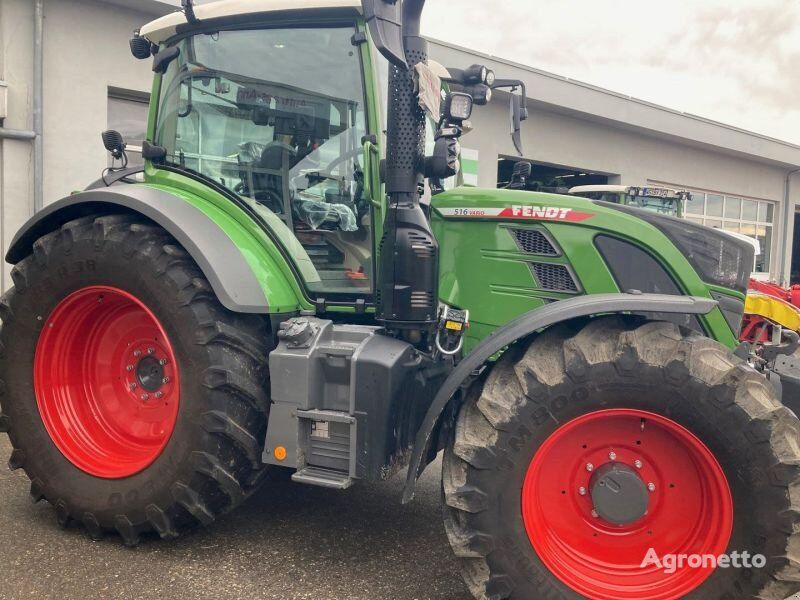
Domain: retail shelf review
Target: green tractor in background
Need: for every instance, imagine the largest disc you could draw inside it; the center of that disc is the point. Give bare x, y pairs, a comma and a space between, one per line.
666, 201
268, 295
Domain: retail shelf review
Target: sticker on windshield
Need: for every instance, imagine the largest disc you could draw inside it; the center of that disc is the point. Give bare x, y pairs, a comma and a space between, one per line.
655, 192
534, 213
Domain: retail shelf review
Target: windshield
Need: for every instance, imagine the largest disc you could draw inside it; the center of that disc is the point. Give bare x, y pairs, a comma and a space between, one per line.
663, 206
277, 116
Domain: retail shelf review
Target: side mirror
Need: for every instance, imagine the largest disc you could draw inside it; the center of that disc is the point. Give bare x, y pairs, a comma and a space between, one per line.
520, 175
385, 21
516, 122
113, 142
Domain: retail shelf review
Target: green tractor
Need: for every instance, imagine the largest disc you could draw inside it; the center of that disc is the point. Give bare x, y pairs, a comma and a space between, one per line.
267, 295
666, 201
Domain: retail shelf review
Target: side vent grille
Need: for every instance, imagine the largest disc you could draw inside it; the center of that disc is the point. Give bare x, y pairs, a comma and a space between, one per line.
421, 299
532, 241
422, 245
556, 278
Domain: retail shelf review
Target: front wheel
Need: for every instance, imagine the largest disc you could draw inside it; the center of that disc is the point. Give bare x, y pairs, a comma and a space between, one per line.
621, 460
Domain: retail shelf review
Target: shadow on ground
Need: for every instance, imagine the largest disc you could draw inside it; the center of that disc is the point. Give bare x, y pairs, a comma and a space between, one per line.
288, 541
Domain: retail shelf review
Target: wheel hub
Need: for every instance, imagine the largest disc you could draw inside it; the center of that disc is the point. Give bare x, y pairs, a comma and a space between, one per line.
618, 494
150, 374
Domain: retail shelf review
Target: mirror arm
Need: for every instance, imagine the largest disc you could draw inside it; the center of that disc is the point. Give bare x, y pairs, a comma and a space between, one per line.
513, 84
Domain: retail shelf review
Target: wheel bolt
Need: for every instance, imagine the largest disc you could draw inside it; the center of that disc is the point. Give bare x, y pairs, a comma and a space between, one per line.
165, 380
651, 487
589, 467
159, 395
594, 513
137, 353
162, 362
145, 397
582, 491
132, 386
151, 350
612, 456
637, 463
129, 367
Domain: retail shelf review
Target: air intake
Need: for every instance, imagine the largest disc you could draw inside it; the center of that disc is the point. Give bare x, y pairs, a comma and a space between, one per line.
555, 278
532, 241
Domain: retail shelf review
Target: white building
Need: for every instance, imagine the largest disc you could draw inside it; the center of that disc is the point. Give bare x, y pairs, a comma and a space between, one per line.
576, 133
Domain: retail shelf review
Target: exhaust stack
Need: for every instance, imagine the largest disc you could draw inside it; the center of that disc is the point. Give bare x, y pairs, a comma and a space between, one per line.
408, 270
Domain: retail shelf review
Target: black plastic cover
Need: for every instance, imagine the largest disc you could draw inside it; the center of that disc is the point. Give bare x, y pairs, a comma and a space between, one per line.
409, 269
395, 386
718, 258
732, 309
634, 269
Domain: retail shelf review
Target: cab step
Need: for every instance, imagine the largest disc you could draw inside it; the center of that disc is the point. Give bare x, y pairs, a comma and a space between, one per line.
323, 477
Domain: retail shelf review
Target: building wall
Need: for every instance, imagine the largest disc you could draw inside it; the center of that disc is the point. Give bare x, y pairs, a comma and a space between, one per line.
85, 52
16, 157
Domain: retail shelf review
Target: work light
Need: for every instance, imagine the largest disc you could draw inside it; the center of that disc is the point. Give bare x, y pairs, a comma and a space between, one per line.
459, 106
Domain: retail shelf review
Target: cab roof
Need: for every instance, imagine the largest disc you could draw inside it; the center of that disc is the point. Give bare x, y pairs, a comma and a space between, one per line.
580, 189
164, 28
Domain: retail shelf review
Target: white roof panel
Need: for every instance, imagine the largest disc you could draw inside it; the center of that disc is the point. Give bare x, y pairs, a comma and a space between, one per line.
579, 189
161, 29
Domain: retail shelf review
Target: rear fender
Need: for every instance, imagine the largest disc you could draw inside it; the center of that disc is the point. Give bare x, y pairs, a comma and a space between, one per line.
240, 281
523, 326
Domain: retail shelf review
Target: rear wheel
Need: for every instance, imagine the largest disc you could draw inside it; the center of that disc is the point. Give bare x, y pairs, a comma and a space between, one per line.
134, 401
599, 453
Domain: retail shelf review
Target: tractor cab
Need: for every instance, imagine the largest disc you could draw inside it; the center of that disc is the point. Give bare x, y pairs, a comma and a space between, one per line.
665, 201
283, 133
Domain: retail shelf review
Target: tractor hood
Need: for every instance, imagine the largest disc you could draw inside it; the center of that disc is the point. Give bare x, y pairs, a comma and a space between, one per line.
507, 252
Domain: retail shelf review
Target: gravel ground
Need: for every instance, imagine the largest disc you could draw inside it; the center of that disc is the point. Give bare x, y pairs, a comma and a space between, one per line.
289, 541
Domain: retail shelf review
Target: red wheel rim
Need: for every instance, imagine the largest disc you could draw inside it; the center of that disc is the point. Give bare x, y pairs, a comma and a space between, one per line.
689, 506
106, 382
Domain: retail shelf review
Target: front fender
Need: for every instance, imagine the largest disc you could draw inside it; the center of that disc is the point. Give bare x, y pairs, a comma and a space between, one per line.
521, 327
222, 261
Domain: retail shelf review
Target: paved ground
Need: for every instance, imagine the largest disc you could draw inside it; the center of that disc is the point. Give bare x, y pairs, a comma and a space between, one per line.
287, 542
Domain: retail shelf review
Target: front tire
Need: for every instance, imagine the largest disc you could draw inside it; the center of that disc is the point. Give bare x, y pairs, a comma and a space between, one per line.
133, 400
655, 404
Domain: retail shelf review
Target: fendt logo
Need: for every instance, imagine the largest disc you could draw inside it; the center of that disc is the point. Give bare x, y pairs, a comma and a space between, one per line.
534, 213
545, 213
541, 212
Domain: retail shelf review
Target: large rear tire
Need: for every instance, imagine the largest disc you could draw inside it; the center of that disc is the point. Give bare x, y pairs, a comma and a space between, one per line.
625, 403
133, 400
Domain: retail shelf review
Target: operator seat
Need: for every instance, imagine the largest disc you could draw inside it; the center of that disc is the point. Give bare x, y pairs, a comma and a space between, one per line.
273, 178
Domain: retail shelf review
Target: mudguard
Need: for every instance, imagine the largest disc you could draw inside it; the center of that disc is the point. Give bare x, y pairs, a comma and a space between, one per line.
523, 326
220, 260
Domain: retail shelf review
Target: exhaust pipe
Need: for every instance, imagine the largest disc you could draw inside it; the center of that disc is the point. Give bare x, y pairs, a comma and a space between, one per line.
408, 268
